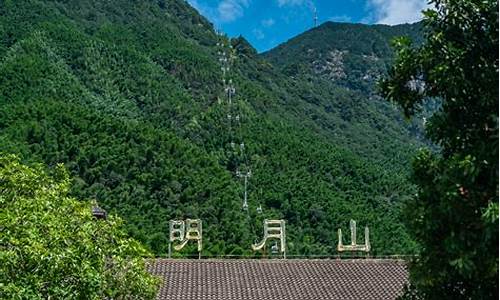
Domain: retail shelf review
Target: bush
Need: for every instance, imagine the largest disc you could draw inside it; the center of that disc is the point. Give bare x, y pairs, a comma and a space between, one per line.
51, 247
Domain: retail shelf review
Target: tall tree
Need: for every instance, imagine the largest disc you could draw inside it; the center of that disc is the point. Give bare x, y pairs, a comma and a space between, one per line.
454, 216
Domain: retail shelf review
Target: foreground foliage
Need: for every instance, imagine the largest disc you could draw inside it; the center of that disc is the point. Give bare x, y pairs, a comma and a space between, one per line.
52, 248
455, 214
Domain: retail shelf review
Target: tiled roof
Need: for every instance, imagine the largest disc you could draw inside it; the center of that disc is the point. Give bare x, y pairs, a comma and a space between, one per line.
280, 279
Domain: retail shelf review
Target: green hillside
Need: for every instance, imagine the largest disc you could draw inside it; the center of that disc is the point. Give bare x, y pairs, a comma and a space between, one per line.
335, 68
125, 94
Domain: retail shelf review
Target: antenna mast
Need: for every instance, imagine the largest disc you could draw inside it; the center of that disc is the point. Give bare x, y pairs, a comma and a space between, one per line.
315, 17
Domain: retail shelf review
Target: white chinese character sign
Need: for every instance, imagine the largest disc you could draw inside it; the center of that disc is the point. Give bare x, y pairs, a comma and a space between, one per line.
273, 229
185, 231
177, 230
353, 246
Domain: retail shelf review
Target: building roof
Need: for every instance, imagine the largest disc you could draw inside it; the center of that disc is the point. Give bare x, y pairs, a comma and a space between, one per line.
356, 279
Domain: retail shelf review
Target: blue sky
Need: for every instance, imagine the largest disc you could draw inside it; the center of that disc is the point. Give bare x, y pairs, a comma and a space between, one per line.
267, 23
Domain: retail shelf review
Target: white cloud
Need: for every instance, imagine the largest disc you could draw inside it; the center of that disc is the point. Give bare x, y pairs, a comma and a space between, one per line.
230, 10
290, 2
268, 22
258, 34
393, 12
309, 3
223, 11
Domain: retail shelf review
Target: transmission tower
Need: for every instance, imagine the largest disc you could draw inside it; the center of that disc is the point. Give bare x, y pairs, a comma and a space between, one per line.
245, 176
233, 117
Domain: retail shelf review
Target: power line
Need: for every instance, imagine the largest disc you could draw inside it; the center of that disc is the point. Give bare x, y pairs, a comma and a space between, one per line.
233, 115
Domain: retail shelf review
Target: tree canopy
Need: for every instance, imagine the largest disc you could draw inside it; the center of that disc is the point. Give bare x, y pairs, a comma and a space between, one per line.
454, 216
51, 247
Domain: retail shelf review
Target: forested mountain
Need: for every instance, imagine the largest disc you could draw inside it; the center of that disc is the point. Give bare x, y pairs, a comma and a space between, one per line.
126, 95
350, 55
337, 66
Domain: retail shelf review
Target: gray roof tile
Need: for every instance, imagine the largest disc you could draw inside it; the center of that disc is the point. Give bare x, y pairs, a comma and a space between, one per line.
357, 279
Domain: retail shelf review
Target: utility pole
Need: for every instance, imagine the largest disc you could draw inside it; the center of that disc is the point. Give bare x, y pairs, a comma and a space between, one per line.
245, 176
230, 91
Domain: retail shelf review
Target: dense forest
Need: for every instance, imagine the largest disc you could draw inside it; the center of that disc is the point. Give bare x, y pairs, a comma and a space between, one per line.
125, 95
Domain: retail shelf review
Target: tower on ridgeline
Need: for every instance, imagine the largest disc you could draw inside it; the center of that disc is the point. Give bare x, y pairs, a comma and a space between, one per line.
315, 17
